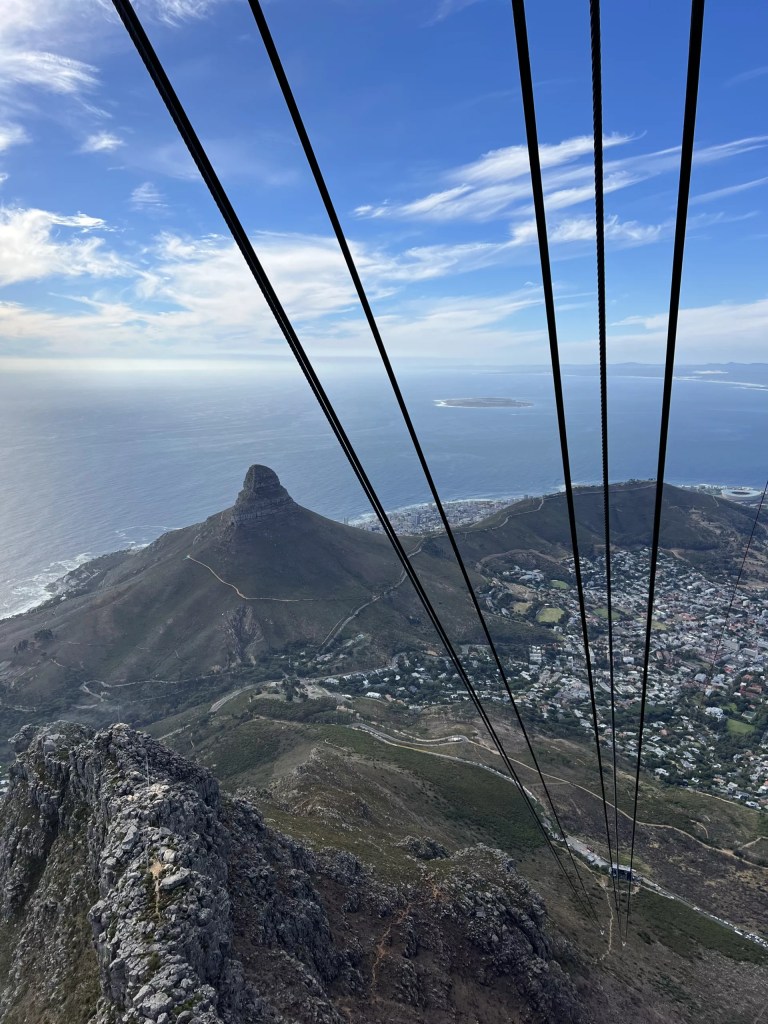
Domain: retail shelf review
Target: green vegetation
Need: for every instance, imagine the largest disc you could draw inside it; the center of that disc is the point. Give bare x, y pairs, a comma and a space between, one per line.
738, 728
559, 585
720, 823
550, 615
685, 932
471, 797
656, 624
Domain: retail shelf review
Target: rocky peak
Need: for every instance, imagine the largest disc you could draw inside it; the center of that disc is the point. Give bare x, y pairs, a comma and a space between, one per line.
262, 496
133, 891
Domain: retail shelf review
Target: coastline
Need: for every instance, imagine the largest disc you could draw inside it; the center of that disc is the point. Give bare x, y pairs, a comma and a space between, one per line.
418, 519
422, 518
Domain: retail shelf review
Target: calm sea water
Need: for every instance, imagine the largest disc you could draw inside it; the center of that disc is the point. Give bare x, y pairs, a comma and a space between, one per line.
90, 463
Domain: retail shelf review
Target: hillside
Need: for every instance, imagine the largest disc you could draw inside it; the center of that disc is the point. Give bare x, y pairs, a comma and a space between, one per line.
223, 638
139, 635
159, 624
135, 889
369, 778
708, 532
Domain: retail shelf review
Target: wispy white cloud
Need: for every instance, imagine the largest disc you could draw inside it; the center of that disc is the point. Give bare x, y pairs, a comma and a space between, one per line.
703, 332
22, 18
25, 19
41, 43
448, 7
500, 326
232, 157
48, 56
207, 276
486, 187
729, 190
192, 295
643, 166
582, 229
147, 196
39, 57
748, 76
173, 12
11, 135
228, 320
170, 159
426, 262
500, 165
49, 71
495, 185
236, 323
32, 247
102, 142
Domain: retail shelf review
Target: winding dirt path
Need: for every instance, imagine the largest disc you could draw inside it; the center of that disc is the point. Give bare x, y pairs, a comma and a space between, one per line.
342, 623
244, 597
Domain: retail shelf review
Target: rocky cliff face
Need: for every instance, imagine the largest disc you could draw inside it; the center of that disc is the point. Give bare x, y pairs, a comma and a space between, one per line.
132, 890
262, 496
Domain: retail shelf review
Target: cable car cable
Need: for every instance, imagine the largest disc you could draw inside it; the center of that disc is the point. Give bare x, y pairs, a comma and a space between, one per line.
529, 111
280, 74
686, 162
156, 71
597, 124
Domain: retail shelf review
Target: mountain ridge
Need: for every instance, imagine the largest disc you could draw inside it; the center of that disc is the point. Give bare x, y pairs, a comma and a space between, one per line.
133, 890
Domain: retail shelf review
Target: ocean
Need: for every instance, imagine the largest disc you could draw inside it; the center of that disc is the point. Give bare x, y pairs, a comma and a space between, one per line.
95, 461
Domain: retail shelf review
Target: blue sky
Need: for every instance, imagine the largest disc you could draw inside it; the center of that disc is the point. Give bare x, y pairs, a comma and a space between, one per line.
110, 248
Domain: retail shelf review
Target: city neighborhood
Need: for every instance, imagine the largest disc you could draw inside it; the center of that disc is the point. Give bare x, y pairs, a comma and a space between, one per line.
706, 722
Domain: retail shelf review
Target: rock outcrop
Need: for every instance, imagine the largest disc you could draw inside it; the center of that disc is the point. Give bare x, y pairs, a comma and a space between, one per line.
132, 890
423, 848
262, 496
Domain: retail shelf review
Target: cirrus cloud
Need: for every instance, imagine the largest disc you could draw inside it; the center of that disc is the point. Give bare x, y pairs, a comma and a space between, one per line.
11, 135
489, 187
102, 142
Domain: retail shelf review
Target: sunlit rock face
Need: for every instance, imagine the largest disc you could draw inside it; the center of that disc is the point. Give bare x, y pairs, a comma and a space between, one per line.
262, 496
134, 891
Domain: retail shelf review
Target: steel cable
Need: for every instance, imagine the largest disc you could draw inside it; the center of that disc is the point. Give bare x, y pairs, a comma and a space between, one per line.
686, 163
280, 74
176, 110
597, 124
529, 111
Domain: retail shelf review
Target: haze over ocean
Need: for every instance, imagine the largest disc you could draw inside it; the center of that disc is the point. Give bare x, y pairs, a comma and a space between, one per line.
91, 463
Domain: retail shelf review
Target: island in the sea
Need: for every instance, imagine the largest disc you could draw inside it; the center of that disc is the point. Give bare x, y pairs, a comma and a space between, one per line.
483, 403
